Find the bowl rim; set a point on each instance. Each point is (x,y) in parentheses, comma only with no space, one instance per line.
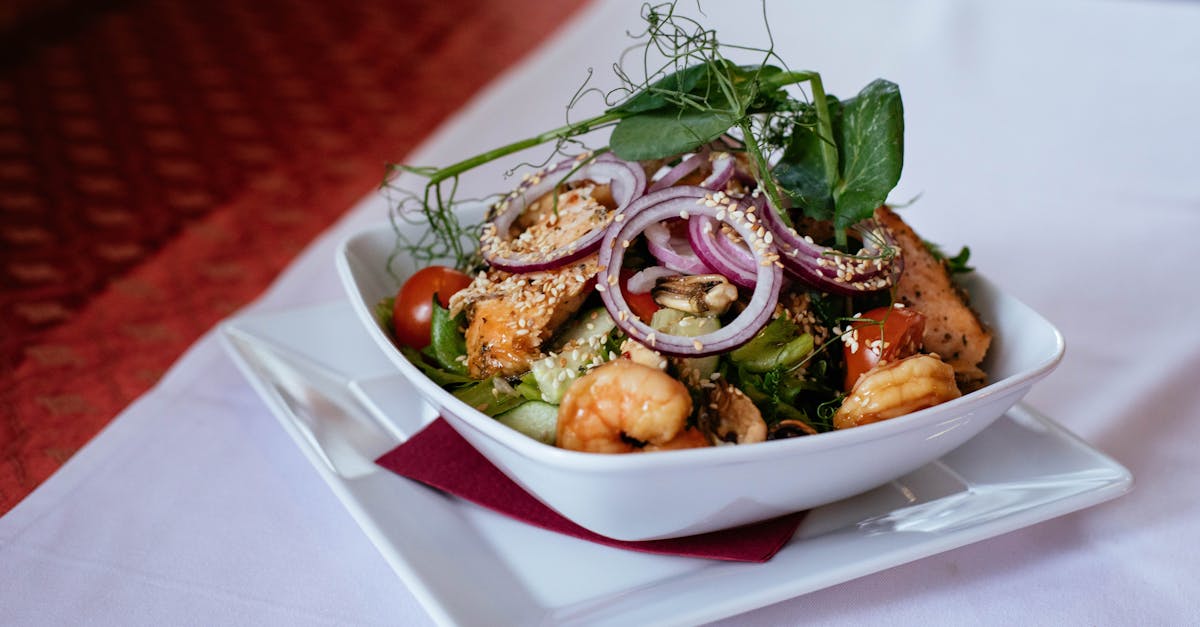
(579,461)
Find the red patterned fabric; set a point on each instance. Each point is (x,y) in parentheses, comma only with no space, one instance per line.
(162,161)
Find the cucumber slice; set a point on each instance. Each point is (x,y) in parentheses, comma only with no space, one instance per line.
(677,322)
(590,324)
(579,345)
(553,376)
(535,419)
(779,344)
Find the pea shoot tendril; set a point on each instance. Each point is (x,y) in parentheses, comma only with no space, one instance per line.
(685,94)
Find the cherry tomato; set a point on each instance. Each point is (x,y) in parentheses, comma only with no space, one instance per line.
(897,338)
(414,303)
(642,305)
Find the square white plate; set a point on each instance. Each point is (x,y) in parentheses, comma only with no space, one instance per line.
(345,404)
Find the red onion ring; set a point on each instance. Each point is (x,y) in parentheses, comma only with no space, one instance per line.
(876,267)
(705,237)
(688,201)
(723,167)
(684,168)
(739,254)
(672,252)
(628,181)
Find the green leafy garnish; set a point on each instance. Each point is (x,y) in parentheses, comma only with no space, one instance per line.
(868,132)
(838,159)
(658,134)
(447,346)
(383,315)
(956,264)
(443,378)
(491,396)
(871,144)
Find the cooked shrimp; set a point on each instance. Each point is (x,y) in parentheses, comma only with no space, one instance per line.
(897,388)
(624,407)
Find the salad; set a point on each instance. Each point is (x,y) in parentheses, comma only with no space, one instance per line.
(724,271)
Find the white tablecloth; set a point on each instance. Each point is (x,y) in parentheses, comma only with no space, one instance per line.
(1061,141)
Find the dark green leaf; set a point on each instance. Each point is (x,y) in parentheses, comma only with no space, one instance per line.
(656,96)
(801,169)
(447,345)
(486,397)
(660,134)
(756,89)
(871,146)
(689,108)
(956,264)
(829,308)
(701,83)
(383,315)
(435,374)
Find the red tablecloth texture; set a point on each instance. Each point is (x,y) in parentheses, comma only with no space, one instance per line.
(162,160)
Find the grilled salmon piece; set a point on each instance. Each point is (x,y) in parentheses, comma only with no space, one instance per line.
(952,329)
(510,315)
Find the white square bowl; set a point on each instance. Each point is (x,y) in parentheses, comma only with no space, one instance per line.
(679,493)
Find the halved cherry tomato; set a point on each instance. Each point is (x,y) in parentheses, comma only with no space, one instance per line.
(897,338)
(642,305)
(414,303)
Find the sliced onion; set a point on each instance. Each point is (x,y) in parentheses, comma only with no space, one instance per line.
(645,280)
(627,180)
(673,252)
(675,174)
(723,167)
(874,268)
(706,239)
(686,201)
(738,253)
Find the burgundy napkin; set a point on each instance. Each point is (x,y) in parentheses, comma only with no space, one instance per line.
(437,456)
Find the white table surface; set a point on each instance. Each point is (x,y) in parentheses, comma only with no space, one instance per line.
(1060,140)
